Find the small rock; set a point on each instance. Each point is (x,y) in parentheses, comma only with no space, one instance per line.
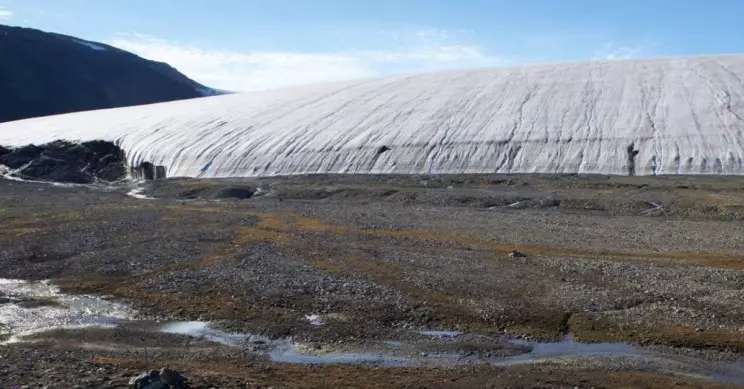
(517,254)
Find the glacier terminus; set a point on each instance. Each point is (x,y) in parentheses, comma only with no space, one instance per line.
(644,117)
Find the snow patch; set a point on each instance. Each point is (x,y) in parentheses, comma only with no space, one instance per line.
(91,45)
(138,193)
(314,319)
(206,92)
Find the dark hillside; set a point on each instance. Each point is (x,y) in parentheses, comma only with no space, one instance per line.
(45,74)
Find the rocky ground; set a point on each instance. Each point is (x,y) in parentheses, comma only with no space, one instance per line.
(652,261)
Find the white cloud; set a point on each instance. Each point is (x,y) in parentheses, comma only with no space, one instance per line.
(5,13)
(612,52)
(252,70)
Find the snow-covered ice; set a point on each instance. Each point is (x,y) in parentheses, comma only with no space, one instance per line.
(682,115)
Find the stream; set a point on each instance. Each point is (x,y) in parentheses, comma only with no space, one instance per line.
(28,308)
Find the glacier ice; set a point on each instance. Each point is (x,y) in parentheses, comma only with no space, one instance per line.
(663,116)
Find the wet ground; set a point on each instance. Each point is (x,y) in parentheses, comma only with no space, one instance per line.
(378,281)
(35,312)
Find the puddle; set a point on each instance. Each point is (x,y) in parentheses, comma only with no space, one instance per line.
(33,307)
(569,348)
(441,334)
(281,350)
(289,353)
(286,351)
(202,330)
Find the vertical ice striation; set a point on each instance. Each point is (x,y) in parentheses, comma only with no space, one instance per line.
(658,116)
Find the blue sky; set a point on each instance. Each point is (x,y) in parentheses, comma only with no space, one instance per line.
(257,44)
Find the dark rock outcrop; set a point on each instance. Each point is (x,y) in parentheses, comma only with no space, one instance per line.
(148,171)
(63,161)
(46,74)
(632,154)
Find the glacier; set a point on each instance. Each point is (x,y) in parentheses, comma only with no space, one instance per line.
(652,116)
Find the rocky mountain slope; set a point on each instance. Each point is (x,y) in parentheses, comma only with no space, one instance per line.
(645,117)
(44,73)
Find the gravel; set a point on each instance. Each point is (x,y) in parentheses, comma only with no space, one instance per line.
(380,257)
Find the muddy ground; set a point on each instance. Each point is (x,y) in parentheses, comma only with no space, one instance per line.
(653,261)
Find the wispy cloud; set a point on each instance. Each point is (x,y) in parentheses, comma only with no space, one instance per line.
(5,13)
(252,70)
(611,52)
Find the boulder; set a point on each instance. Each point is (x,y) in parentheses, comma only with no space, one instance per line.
(166,378)
(156,385)
(517,254)
(173,378)
(139,381)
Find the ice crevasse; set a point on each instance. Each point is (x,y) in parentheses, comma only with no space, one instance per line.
(653,116)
